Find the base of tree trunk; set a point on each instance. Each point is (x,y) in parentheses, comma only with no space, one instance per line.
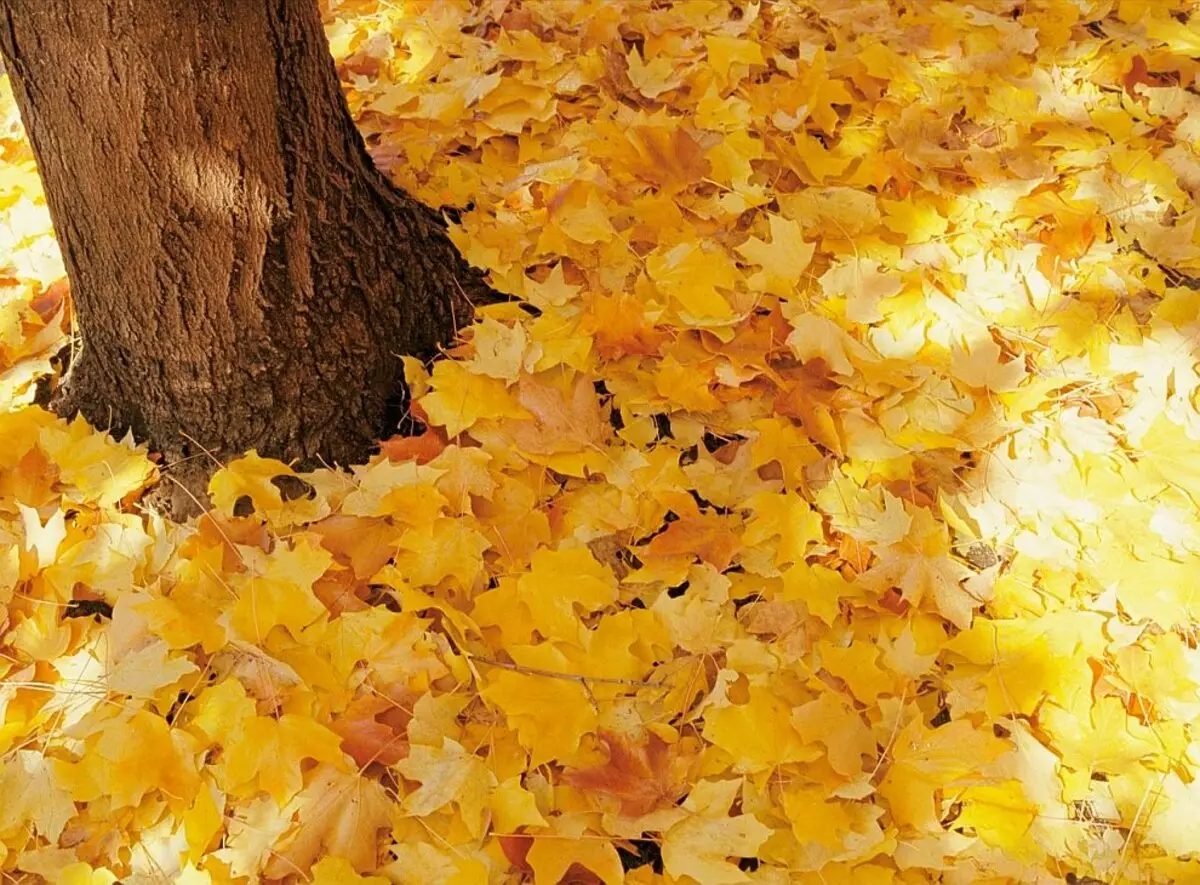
(360,394)
(349,392)
(242,275)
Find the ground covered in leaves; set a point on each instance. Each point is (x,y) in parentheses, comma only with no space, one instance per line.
(823,508)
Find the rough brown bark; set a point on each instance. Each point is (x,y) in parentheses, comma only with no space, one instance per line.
(242,275)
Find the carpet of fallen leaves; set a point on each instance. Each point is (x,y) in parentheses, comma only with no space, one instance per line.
(822,509)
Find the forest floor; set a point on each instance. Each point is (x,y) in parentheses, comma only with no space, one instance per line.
(822,509)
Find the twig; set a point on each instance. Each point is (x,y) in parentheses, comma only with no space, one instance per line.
(584,681)
(892,738)
(574,677)
(204,450)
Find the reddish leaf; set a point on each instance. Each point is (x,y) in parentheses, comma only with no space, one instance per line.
(341,593)
(856,554)
(638,772)
(422,449)
(367,739)
(707,535)
(895,603)
(49,301)
(516,849)
(1137,74)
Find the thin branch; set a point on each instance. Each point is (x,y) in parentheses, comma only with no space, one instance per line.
(585,682)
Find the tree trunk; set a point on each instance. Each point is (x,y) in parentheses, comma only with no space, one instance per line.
(242,276)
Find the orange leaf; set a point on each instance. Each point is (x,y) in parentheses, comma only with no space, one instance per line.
(339,593)
(366,738)
(363,544)
(670,157)
(707,535)
(895,603)
(638,772)
(516,849)
(1138,73)
(569,421)
(620,326)
(48,302)
(855,553)
(422,449)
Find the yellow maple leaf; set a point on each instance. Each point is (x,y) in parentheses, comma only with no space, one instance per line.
(189,616)
(420,863)
(1172,823)
(684,387)
(339,871)
(441,549)
(133,754)
(925,760)
(406,490)
(251,831)
(654,77)
(920,567)
(220,711)
(861,282)
(817,818)
(268,753)
(857,666)
(249,476)
(832,720)
(701,844)
(570,844)
(818,587)
(190,875)
(782,260)
(790,518)
(819,161)
(448,774)
(30,797)
(835,211)
(84,874)
(499,349)
(142,673)
(758,734)
(340,815)
(44,538)
(580,213)
(1168,457)
(725,52)
(1033,658)
(917,221)
(553,291)
(1002,816)
(817,337)
(281,593)
(557,582)
(1103,736)
(394,646)
(692,274)
(203,821)
(822,92)
(979,365)
(459,398)
(551,715)
(96,468)
(514,807)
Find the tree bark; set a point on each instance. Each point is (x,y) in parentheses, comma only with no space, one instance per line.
(242,276)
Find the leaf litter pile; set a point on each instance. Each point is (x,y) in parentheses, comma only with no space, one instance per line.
(821,509)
